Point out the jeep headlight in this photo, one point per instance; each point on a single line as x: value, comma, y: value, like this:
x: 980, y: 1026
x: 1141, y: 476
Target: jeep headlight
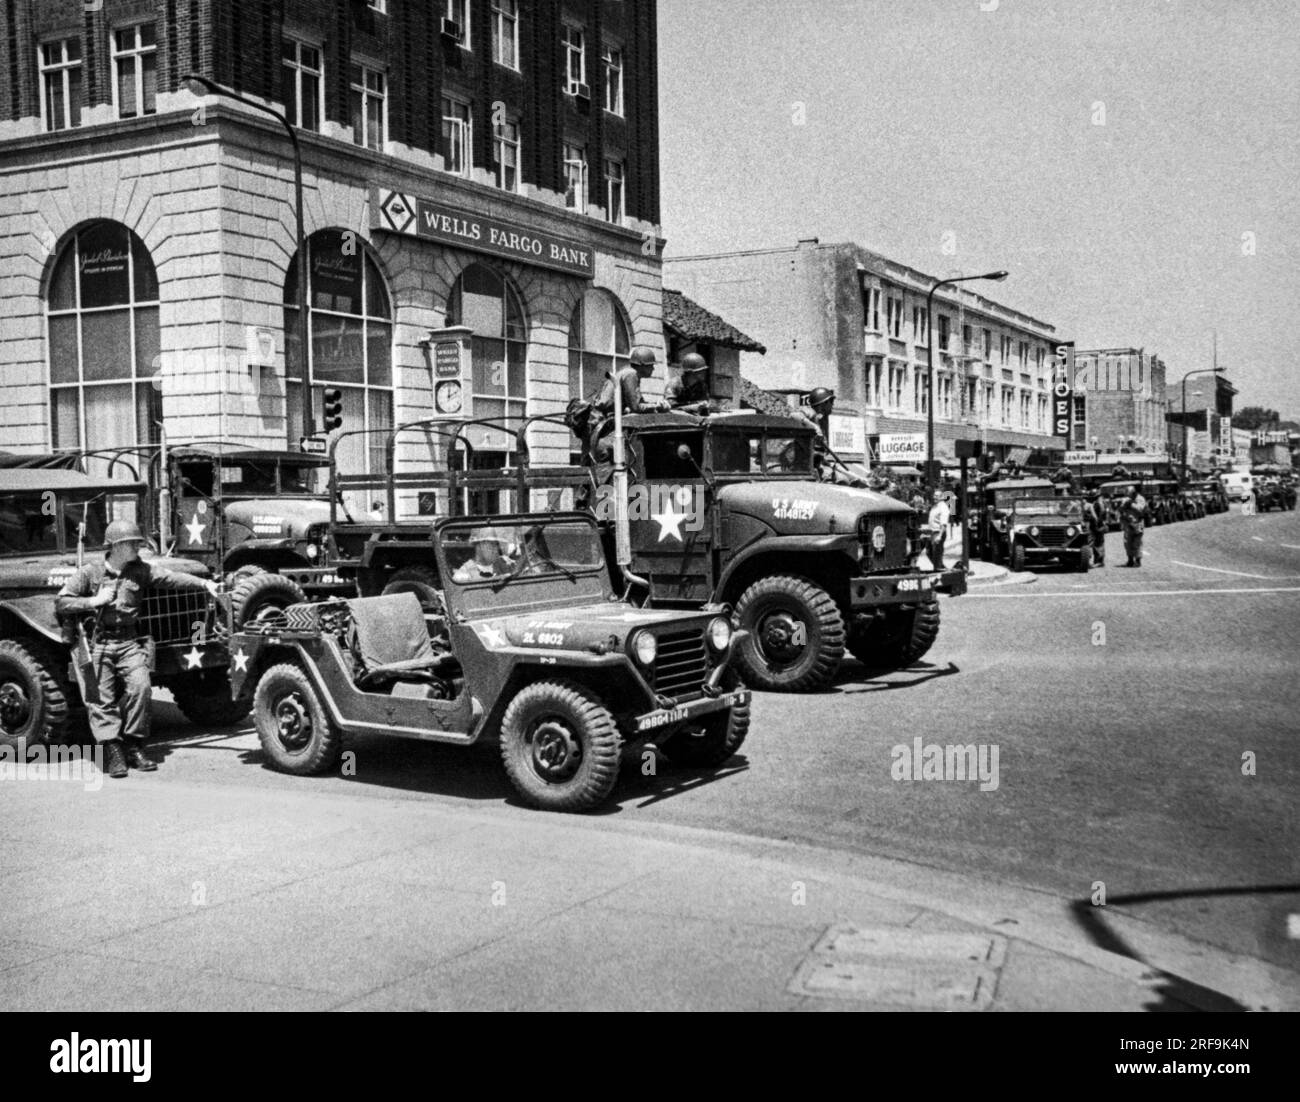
x: 645, y: 647
x: 720, y: 633
x: 1033, y: 531
x: 1071, y: 531
x: 312, y: 551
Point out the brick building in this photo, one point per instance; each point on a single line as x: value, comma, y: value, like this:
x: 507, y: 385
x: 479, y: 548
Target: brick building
x: 1208, y: 417
x: 485, y: 171
x: 841, y: 316
x: 1120, y: 403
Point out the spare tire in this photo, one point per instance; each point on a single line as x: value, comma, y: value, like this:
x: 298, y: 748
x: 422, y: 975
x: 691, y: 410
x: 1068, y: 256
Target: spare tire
x: 257, y: 597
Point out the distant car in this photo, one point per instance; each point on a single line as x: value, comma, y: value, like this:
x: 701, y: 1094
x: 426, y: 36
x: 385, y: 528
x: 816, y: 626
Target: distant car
x: 1236, y: 484
x: 1269, y: 495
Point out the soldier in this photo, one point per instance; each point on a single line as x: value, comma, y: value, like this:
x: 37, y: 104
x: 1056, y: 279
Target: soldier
x: 489, y: 560
x: 114, y: 588
x: 690, y: 392
x: 601, y: 422
x: 1095, y: 517
x: 818, y: 411
x: 1132, y: 512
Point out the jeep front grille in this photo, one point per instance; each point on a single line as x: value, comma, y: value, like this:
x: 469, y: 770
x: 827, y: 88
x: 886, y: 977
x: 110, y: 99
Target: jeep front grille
x: 170, y: 616
x: 1052, y: 537
x: 682, y: 665
x: 894, y: 556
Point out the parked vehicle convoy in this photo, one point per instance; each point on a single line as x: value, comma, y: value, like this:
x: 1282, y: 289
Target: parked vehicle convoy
x: 1041, y: 530
x: 531, y: 647
x: 50, y: 519
x: 1212, y: 492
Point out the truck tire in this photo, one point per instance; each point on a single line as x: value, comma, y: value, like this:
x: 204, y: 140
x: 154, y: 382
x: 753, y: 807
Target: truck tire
x: 903, y: 637
x: 292, y: 726
x: 204, y: 699
x: 1085, y: 560
x: 1017, y: 558
x: 774, y: 610
x: 711, y: 744
x: 257, y: 596
x: 560, y: 747
x: 423, y: 582
x: 33, y: 696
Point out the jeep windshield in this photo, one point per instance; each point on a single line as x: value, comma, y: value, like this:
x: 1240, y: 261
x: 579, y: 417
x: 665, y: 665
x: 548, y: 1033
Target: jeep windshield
x: 1049, y: 507
x: 763, y: 453
x: 1005, y: 499
x: 43, y: 522
x: 493, y: 554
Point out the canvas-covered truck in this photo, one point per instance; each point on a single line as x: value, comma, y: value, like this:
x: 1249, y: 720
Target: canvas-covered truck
x: 49, y: 520
x: 531, y: 647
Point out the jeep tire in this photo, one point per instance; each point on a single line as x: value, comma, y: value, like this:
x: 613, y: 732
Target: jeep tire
x: 560, y: 747
x: 775, y: 611
x: 900, y: 638
x: 204, y: 699
x: 292, y: 726
x: 255, y: 596
x: 1017, y: 558
x: 1085, y: 560
x: 712, y: 742
x: 33, y: 696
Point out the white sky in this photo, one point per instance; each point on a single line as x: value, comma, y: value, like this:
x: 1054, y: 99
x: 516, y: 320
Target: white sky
x: 929, y: 116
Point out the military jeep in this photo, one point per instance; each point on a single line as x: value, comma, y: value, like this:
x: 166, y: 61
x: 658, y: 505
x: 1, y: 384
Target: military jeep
x: 991, y: 509
x: 528, y: 645
x: 1043, y: 530
x: 49, y: 519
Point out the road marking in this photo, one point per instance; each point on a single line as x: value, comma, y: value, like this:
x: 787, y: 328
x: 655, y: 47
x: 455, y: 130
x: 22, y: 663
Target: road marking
x: 1292, y: 546
x: 1240, y: 573
x: 1133, y: 593
x: 1293, y: 926
x: 1258, y: 539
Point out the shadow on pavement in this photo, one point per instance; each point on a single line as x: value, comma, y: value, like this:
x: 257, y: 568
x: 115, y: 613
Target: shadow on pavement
x: 1176, y: 993
x: 863, y: 680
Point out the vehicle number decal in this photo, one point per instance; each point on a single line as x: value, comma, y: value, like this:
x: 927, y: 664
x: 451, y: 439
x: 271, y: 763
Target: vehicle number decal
x: 543, y: 638
x: 661, y: 719
x: 909, y: 584
x: 793, y: 509
x: 267, y: 525
x: 59, y: 578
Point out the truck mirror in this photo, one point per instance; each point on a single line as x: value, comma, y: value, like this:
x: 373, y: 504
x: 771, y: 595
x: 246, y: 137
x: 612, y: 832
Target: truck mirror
x: 683, y: 453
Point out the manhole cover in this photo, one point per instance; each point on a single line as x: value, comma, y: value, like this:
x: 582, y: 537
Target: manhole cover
x: 906, y: 968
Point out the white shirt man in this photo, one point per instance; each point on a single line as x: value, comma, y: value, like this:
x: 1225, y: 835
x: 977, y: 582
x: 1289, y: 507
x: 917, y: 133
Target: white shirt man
x: 940, y: 515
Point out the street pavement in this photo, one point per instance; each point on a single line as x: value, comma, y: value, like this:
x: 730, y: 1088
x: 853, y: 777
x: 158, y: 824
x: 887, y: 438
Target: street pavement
x: 1122, y: 860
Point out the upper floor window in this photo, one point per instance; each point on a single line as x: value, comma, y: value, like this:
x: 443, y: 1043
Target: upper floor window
x: 455, y: 15
x: 505, y: 32
x: 575, y: 59
x: 871, y: 309
x: 368, y: 106
x: 920, y: 325
x: 614, y: 180
x: 457, y: 135
x: 988, y: 344
x: 303, y: 82
x: 894, y: 316
x: 135, y: 71
x: 613, y: 64
x: 60, y: 68
x: 575, y: 178
x: 944, y: 331
x: 505, y: 144
x: 381, y: 6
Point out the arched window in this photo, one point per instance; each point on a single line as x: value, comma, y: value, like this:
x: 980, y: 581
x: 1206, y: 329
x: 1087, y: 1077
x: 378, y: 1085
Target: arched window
x: 599, y: 342
x: 103, y: 341
x: 350, y: 326
x: 483, y: 300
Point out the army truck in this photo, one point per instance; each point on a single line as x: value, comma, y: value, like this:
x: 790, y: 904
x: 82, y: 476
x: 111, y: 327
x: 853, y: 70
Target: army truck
x: 49, y: 520
x: 530, y: 646
x: 1041, y: 530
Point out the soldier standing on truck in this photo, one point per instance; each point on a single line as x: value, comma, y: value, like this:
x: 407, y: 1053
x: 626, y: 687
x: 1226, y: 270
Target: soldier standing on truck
x: 1132, y: 512
x: 690, y: 392
x: 114, y: 588
x: 601, y: 423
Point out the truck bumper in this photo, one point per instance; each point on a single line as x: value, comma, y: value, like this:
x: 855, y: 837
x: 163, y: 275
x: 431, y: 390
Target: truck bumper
x: 866, y: 594
x: 662, y: 718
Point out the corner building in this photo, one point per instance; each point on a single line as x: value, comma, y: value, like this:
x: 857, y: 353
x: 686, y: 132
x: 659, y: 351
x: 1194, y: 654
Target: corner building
x: 484, y: 166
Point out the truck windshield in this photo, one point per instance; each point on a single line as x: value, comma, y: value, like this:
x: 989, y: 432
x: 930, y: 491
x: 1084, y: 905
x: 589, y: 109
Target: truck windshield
x: 762, y: 453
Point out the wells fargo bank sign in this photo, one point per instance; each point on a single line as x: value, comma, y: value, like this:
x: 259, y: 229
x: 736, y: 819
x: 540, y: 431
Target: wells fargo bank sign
x: 398, y: 213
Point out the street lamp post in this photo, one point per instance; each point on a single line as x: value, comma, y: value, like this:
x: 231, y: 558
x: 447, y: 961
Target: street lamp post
x: 304, y: 347
x: 1215, y: 370
x: 929, y: 367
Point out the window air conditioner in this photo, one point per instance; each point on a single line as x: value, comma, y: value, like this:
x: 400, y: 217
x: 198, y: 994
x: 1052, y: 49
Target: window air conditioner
x: 451, y: 29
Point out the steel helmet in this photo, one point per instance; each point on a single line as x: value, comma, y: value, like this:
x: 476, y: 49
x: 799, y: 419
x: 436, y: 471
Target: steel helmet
x: 642, y: 356
x: 821, y: 396
x: 488, y: 535
x: 693, y: 361
x: 123, y: 531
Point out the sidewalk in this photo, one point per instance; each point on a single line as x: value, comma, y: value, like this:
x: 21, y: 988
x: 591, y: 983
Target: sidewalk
x: 981, y: 572
x: 184, y: 896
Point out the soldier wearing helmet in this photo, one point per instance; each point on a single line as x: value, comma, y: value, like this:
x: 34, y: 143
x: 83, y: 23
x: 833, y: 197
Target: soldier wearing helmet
x: 600, y: 424
x: 690, y: 392
x: 489, y: 559
x: 114, y: 588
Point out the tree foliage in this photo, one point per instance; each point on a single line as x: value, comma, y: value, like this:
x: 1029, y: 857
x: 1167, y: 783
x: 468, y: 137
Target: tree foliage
x: 1254, y: 417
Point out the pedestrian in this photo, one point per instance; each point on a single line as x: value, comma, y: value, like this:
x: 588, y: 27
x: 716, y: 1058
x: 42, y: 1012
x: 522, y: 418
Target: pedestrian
x: 1248, y: 504
x: 940, y: 516
x: 1132, y: 514
x: 114, y: 589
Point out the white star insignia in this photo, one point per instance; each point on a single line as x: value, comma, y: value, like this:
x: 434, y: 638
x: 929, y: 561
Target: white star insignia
x: 241, y: 661
x: 670, y: 524
x: 492, y: 636
x: 193, y: 658
x: 195, y: 529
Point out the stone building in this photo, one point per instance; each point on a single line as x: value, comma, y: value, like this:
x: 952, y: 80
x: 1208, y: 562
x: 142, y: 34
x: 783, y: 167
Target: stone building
x: 481, y: 172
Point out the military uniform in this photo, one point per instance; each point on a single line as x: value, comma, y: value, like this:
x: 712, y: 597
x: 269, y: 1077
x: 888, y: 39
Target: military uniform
x: 120, y: 654
x: 1095, y: 515
x: 1132, y: 513
x: 684, y: 392
x: 601, y: 425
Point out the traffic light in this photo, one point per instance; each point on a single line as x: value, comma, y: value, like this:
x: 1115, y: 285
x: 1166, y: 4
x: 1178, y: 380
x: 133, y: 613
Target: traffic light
x: 333, y: 408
